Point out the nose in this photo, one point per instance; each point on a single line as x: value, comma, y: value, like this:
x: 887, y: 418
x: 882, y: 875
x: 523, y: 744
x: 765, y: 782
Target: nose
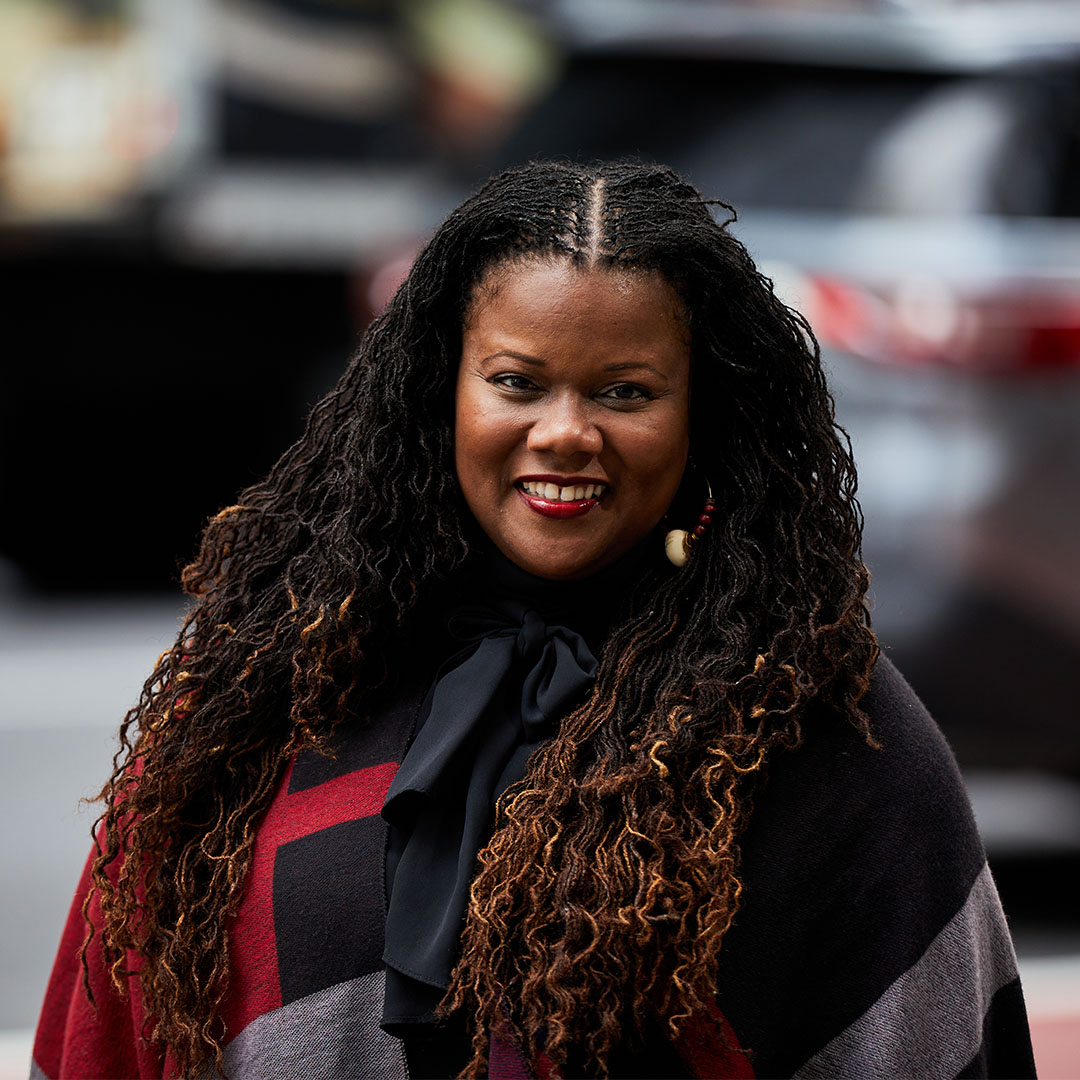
x: 565, y: 428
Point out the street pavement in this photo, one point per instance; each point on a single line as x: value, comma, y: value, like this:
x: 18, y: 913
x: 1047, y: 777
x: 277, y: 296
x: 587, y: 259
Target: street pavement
x: 68, y: 671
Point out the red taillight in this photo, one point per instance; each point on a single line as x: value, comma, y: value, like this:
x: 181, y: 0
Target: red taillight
x: 1054, y: 346
x: 842, y: 316
x: 920, y: 321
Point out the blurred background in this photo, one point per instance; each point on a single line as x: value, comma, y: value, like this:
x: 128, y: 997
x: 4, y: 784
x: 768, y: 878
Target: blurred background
x: 203, y: 202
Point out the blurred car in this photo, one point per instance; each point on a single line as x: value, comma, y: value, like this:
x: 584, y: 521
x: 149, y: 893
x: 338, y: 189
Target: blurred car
x: 910, y: 179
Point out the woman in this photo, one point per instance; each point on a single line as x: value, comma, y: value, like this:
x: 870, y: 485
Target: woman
x: 576, y: 534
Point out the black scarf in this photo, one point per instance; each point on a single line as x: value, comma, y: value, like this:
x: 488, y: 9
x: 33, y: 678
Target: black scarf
x: 522, y: 664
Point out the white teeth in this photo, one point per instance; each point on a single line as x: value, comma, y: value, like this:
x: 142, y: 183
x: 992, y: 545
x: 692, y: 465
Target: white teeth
x: 554, y: 493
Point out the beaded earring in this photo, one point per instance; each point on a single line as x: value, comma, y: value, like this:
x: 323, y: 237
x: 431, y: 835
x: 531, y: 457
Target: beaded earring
x: 678, y: 542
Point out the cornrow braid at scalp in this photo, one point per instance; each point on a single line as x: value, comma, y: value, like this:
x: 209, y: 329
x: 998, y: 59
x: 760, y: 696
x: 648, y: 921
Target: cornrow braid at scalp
x: 602, y: 899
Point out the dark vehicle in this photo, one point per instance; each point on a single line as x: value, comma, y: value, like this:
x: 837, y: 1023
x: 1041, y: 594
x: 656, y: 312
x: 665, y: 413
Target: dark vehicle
x: 912, y: 184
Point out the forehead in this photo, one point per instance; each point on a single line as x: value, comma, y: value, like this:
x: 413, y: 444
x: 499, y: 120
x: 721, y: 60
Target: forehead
x: 543, y: 290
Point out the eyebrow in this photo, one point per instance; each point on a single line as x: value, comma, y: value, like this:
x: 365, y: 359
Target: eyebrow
x: 634, y: 365
x: 525, y: 358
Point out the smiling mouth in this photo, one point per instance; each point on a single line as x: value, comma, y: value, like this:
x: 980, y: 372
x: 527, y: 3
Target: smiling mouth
x: 560, y: 501
x: 553, y: 493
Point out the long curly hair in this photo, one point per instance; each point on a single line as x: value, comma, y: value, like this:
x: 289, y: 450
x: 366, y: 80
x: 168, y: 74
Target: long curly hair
x: 600, y: 904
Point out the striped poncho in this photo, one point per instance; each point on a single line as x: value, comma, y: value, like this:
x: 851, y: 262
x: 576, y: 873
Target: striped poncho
x: 869, y: 943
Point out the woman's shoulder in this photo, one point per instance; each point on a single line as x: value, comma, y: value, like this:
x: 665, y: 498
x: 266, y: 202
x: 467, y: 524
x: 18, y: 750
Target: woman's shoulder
x: 840, y: 792
x: 853, y: 832
x: 868, y: 912
x: 901, y: 724
x: 905, y: 768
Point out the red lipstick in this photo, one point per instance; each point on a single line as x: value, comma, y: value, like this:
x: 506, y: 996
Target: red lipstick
x: 558, y: 508
x: 552, y: 509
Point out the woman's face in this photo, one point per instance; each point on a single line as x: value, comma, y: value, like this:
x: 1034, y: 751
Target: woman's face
x: 572, y: 419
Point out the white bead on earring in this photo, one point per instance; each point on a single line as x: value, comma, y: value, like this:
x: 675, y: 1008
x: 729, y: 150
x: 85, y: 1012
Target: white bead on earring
x: 677, y: 542
x: 677, y: 547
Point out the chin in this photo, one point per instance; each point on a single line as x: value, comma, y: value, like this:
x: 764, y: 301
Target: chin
x: 572, y: 573
x: 559, y: 569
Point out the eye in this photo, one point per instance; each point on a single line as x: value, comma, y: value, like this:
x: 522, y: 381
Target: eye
x: 630, y: 392
x: 518, y: 384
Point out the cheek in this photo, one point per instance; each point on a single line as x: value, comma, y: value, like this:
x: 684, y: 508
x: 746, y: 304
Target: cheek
x: 664, y: 453
x: 669, y: 458
x: 468, y: 434
x: 482, y: 449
